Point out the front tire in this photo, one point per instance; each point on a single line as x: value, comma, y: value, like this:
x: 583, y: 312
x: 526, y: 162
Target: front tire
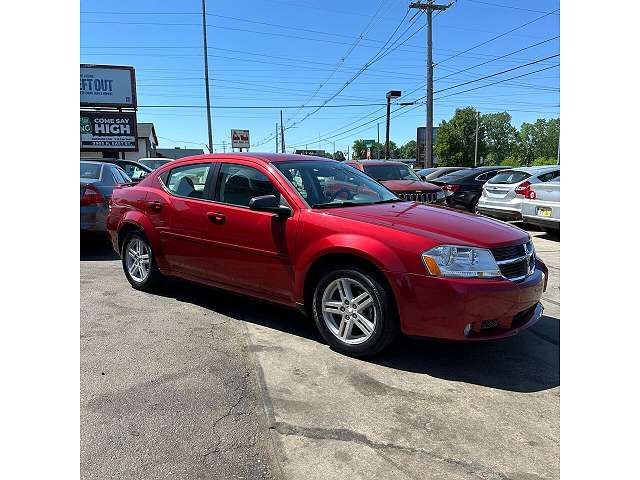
x: 138, y: 263
x: 354, y: 312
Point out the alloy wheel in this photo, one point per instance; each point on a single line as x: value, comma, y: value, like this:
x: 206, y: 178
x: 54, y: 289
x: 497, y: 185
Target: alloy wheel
x: 348, y: 311
x: 138, y: 259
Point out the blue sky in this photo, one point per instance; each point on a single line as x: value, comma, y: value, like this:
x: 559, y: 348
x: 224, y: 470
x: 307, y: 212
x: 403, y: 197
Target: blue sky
x: 278, y: 52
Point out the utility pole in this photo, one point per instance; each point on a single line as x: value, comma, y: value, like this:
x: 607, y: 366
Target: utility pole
x: 281, y: 134
x: 206, y: 73
x: 558, y: 148
x: 475, y: 156
x: 429, y: 7
x: 348, y: 152
x: 378, y: 145
x: 276, y: 137
x: 224, y: 146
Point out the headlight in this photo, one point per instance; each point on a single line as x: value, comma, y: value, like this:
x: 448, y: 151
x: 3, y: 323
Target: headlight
x: 460, y: 262
x: 440, y: 195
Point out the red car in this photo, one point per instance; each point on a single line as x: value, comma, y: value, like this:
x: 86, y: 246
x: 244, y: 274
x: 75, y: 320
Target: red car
x: 366, y: 268
x: 401, y: 180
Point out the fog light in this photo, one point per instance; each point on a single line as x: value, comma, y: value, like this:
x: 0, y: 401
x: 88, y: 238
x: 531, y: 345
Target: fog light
x: 467, y: 330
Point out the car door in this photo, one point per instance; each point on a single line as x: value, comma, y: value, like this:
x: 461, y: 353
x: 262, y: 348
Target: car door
x: 254, y: 248
x: 179, y: 215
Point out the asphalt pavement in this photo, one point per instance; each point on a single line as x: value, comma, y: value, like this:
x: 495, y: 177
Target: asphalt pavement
x: 199, y: 383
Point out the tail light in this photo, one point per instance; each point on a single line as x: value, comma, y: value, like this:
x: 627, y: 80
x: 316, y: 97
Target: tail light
x: 91, y: 196
x: 525, y: 190
x: 451, y: 188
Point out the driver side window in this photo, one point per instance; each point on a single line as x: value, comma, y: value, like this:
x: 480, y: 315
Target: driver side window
x: 238, y: 184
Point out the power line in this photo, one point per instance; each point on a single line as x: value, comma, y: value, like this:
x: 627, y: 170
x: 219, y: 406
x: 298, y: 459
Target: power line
x: 499, y: 81
x: 499, y: 73
x: 497, y: 58
x: 498, y: 36
x: 444, y: 96
x: 506, y: 6
x: 344, y: 57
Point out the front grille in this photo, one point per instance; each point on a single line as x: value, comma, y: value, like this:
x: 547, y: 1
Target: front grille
x: 515, y: 262
x: 421, y: 197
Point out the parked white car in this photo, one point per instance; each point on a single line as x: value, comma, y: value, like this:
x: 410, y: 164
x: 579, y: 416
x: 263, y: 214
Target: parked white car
x: 542, y: 206
x: 502, y: 195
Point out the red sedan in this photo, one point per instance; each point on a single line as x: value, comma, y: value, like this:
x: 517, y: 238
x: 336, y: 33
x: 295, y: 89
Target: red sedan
x: 366, y: 268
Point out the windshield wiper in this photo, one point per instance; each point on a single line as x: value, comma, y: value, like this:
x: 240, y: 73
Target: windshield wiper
x: 391, y: 200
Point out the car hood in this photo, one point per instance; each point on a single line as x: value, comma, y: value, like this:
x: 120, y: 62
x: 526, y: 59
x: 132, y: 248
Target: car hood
x: 409, y: 186
x: 441, y: 224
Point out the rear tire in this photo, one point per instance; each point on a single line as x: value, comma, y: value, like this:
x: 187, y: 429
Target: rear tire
x: 138, y: 262
x: 354, y: 312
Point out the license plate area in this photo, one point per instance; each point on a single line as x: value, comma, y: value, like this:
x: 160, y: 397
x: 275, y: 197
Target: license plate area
x: 544, y: 212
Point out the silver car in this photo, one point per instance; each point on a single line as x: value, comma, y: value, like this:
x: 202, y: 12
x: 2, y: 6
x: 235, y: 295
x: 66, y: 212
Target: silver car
x: 542, y: 208
x: 502, y: 195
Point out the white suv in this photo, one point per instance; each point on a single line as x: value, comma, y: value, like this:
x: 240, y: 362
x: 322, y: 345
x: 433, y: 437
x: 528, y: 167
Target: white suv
x: 502, y: 195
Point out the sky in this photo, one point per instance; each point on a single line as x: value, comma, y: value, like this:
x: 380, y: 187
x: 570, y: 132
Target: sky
x: 342, y: 55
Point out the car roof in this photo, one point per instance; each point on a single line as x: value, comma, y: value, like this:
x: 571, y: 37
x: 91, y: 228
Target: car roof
x: 536, y: 170
x: 264, y: 157
x: 377, y: 162
x: 95, y: 162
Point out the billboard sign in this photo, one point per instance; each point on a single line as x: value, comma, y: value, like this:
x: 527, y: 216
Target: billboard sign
x: 420, y: 141
x: 107, y: 86
x: 114, y: 131
x: 240, y: 138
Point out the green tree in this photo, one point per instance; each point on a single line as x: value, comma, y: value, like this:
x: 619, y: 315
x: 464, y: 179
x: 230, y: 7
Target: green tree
x: 455, y: 144
x: 360, y: 150
x: 500, y: 137
x: 538, y: 140
x: 339, y: 156
x: 408, y: 150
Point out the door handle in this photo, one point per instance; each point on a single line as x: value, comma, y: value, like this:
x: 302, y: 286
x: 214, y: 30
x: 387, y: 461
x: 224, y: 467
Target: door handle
x: 155, y: 206
x: 217, y: 218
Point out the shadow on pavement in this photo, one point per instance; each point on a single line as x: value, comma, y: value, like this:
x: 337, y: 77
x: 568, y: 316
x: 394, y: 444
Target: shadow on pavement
x: 528, y: 362
x: 95, y: 246
x: 546, y: 235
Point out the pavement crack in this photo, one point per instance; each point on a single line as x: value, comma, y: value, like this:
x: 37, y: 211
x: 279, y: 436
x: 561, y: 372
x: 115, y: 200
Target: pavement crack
x: 347, y: 435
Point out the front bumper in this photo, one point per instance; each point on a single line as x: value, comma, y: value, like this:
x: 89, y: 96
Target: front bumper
x: 468, y: 309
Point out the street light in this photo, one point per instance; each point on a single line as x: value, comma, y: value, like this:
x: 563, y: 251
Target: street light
x: 390, y: 94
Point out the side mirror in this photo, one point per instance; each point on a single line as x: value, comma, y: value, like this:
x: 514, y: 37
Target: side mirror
x: 269, y: 203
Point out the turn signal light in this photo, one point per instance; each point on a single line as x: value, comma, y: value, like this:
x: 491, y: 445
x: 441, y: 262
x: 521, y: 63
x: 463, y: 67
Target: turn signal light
x: 524, y: 189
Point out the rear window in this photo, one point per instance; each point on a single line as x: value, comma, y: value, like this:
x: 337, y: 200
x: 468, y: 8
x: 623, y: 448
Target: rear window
x: 390, y: 172
x: 453, y: 176
x: 510, y: 176
x: 90, y: 170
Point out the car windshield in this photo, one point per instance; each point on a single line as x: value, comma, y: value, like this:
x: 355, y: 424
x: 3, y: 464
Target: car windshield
x: 90, y: 170
x: 390, y: 172
x: 325, y: 184
x: 510, y: 176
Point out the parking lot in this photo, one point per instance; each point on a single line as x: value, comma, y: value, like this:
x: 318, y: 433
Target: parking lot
x: 198, y: 383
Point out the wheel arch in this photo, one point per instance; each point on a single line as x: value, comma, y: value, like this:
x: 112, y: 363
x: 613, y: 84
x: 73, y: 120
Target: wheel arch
x: 342, y: 258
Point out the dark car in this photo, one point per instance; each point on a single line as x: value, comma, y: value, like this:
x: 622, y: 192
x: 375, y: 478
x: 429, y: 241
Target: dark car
x: 401, y: 180
x: 433, y: 173
x: 97, y: 181
x: 366, y: 268
x: 463, y: 188
x: 135, y: 170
